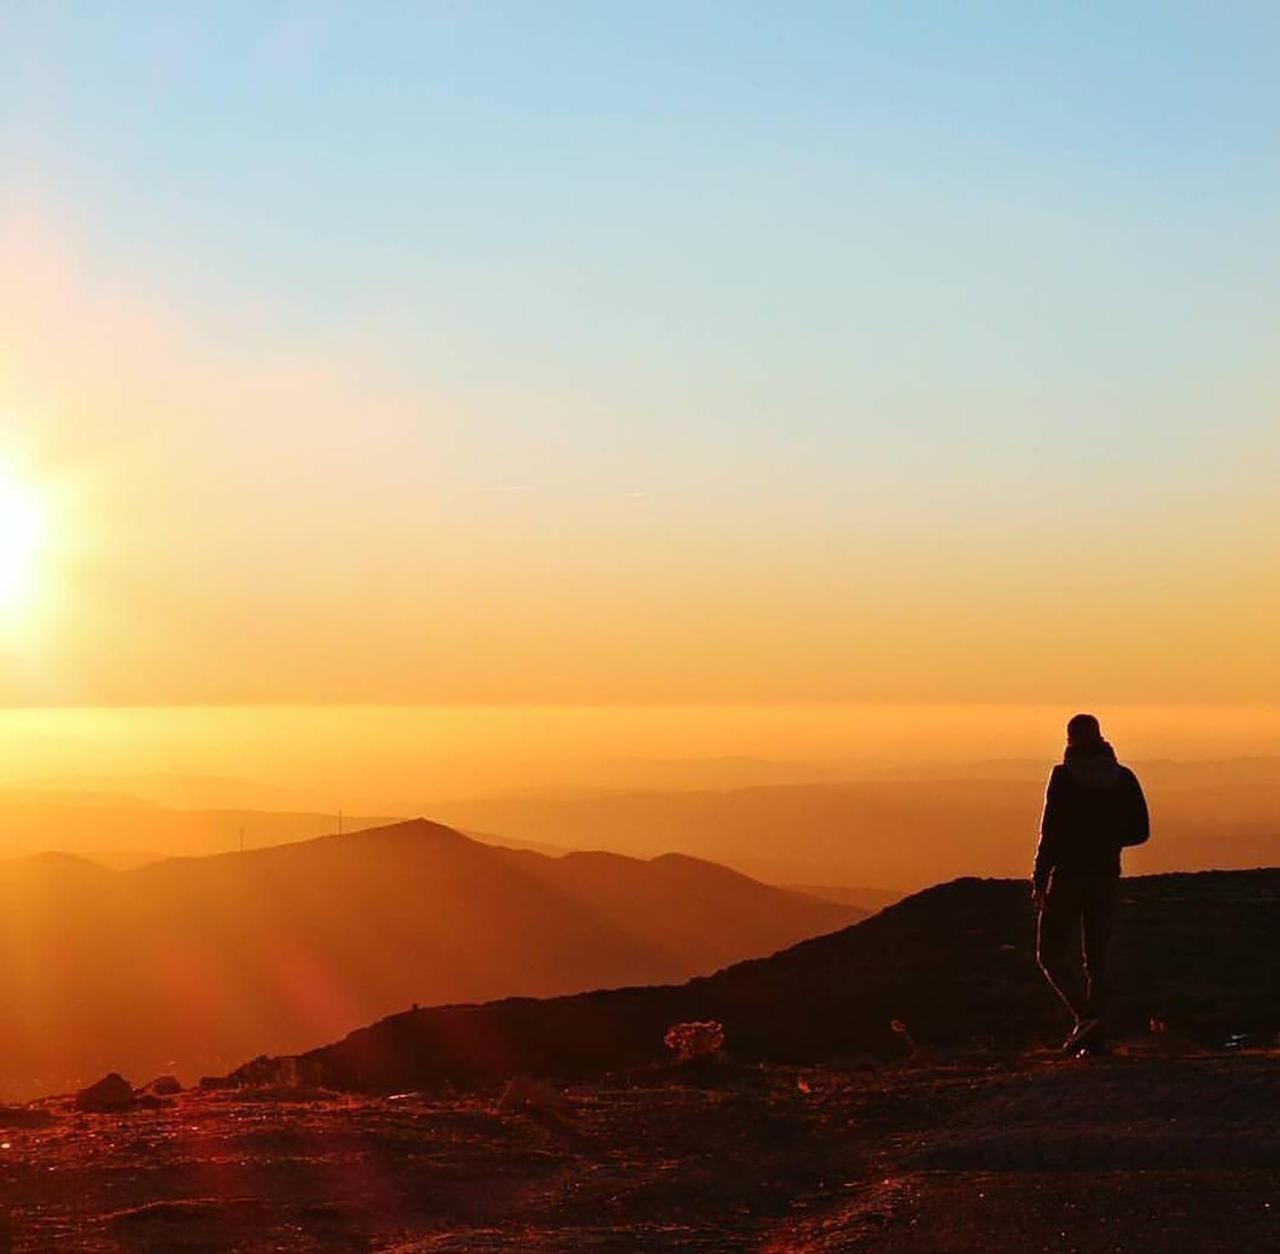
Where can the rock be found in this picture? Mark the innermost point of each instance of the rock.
(695, 1039)
(112, 1092)
(165, 1086)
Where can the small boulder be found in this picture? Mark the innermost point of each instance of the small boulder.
(698, 1038)
(165, 1086)
(112, 1092)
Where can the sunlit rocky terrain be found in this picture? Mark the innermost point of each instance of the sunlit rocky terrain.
(970, 1154)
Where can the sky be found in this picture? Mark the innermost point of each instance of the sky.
(605, 355)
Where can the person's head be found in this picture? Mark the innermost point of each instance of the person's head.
(1083, 729)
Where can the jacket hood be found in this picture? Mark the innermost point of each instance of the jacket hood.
(1094, 765)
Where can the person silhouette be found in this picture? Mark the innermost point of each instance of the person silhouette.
(1093, 808)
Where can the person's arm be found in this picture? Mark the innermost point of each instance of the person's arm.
(1050, 825)
(1140, 821)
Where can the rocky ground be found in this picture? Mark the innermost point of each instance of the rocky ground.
(1144, 1152)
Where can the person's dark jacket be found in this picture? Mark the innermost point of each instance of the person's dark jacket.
(1093, 808)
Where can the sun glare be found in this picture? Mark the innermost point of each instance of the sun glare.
(23, 526)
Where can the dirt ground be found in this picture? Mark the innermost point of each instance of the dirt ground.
(1137, 1153)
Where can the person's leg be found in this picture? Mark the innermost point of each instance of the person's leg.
(1058, 945)
(1099, 916)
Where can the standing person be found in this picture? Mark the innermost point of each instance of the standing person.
(1093, 808)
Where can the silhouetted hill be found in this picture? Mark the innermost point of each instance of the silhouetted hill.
(1201, 951)
(192, 963)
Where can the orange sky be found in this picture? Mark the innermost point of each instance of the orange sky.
(461, 355)
(237, 527)
(398, 760)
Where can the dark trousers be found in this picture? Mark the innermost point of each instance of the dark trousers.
(1076, 923)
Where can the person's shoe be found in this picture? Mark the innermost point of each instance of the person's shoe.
(1084, 1031)
(1095, 1047)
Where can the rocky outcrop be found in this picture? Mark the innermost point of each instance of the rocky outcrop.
(112, 1093)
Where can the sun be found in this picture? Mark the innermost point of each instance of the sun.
(23, 531)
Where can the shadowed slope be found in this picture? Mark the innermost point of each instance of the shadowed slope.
(954, 962)
(191, 963)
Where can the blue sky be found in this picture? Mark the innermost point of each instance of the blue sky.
(841, 274)
(666, 182)
(994, 193)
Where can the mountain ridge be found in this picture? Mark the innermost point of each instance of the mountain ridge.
(191, 963)
(953, 964)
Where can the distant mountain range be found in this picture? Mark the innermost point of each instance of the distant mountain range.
(952, 965)
(868, 899)
(886, 835)
(981, 819)
(122, 829)
(190, 964)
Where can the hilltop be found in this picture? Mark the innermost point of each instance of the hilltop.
(954, 964)
(192, 963)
